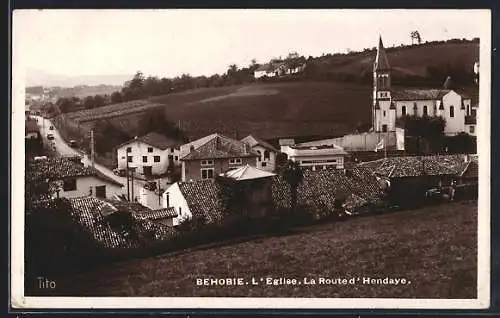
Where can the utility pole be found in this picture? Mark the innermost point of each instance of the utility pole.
(159, 193)
(92, 148)
(126, 172)
(385, 146)
(132, 181)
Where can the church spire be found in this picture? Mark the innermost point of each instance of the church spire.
(381, 62)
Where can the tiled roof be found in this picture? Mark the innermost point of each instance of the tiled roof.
(419, 94)
(220, 146)
(88, 213)
(31, 126)
(166, 213)
(319, 189)
(247, 172)
(412, 166)
(254, 141)
(59, 168)
(156, 140)
(205, 199)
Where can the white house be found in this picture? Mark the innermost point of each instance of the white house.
(315, 157)
(390, 104)
(71, 179)
(150, 154)
(267, 153)
(200, 199)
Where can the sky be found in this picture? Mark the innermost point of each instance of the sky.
(203, 42)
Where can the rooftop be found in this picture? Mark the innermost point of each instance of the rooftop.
(254, 141)
(219, 146)
(156, 140)
(247, 173)
(60, 168)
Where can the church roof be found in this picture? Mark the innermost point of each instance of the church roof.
(381, 61)
(419, 94)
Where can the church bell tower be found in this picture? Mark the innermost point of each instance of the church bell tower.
(383, 109)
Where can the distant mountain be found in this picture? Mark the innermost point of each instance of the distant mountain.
(41, 78)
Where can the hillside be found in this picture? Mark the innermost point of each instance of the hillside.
(434, 248)
(412, 60)
(331, 107)
(270, 110)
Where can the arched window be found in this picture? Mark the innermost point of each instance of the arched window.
(403, 110)
(260, 155)
(452, 111)
(267, 156)
(425, 111)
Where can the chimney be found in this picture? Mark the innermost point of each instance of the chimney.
(217, 142)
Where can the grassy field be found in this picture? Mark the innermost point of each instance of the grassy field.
(268, 110)
(434, 248)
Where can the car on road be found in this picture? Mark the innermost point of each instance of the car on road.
(73, 143)
(50, 137)
(119, 172)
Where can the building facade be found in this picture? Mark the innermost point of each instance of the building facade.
(266, 159)
(151, 154)
(215, 155)
(390, 104)
(315, 157)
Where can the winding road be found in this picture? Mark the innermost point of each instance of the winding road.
(64, 149)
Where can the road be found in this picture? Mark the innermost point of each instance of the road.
(64, 149)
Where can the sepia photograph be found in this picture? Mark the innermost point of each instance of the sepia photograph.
(251, 158)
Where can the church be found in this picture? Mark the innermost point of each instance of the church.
(389, 103)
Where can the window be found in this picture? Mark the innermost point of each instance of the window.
(129, 149)
(176, 158)
(425, 111)
(207, 162)
(150, 149)
(207, 173)
(267, 155)
(156, 158)
(129, 158)
(144, 158)
(264, 164)
(260, 155)
(171, 149)
(468, 110)
(403, 110)
(100, 191)
(384, 113)
(384, 128)
(180, 211)
(471, 129)
(69, 185)
(452, 111)
(235, 161)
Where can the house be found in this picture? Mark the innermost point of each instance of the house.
(252, 192)
(72, 179)
(151, 154)
(103, 220)
(31, 130)
(277, 69)
(215, 154)
(267, 153)
(314, 157)
(356, 188)
(201, 201)
(411, 176)
(390, 103)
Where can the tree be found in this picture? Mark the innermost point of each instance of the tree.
(88, 102)
(116, 97)
(292, 173)
(99, 101)
(415, 37)
(156, 120)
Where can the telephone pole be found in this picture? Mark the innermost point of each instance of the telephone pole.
(132, 181)
(92, 148)
(128, 182)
